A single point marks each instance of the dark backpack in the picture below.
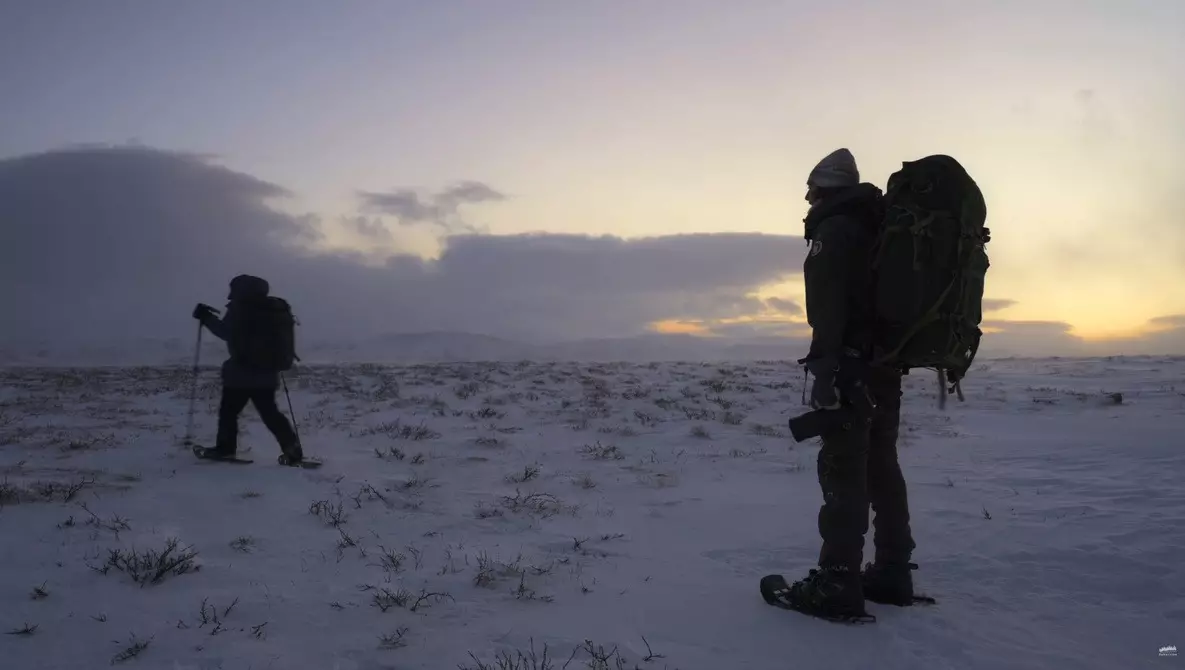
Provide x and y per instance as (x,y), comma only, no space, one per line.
(929,266)
(268,335)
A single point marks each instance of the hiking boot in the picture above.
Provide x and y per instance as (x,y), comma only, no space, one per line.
(828,593)
(293,454)
(889,583)
(222,451)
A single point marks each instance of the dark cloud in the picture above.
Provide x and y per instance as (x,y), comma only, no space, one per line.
(92,238)
(403,204)
(111,243)
(784,306)
(1164,335)
(997,304)
(440,209)
(1167,335)
(1170,321)
(1049,327)
(761,328)
(371,228)
(471,192)
(1029,338)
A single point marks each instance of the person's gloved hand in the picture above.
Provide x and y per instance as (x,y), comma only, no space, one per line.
(823,393)
(202,311)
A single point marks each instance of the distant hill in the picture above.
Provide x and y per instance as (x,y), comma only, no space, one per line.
(453,346)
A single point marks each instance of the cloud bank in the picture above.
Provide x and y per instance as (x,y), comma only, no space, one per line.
(106,245)
(113,243)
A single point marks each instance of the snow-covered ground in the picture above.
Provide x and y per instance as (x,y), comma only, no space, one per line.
(468,512)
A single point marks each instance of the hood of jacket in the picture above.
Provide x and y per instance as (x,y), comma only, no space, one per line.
(864,202)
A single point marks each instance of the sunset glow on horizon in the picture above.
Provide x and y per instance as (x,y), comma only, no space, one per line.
(643,121)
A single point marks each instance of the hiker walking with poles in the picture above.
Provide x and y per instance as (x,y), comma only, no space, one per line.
(259,333)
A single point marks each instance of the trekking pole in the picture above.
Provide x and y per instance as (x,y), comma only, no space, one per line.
(942,392)
(295,430)
(197,353)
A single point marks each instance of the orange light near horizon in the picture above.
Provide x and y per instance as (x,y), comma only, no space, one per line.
(791,327)
(1116,334)
(675,327)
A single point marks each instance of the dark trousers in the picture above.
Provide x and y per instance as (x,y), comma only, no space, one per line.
(234,400)
(858,468)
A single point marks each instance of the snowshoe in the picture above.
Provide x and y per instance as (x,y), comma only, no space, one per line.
(286,459)
(209,454)
(828,594)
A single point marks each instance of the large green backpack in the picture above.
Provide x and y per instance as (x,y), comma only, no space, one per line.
(929,268)
(267,335)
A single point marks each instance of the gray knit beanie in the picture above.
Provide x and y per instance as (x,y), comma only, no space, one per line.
(838,168)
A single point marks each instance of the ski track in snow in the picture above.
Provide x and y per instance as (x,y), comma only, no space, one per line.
(664,492)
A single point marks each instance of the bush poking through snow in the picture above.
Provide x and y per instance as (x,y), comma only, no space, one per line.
(135,648)
(538,504)
(528,473)
(153,566)
(333,515)
(208,615)
(398,430)
(585,481)
(715,385)
(115,524)
(483,511)
(41,491)
(39,592)
(390,560)
(763,430)
(426,597)
(600,452)
(9,494)
(466,390)
(484,577)
(645,418)
(524,592)
(394,640)
(598,659)
(504,660)
(385,599)
(732,418)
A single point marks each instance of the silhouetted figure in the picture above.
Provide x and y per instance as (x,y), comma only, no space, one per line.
(857,464)
(257,329)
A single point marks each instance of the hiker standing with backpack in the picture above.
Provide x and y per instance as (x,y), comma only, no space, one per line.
(257,329)
(859,463)
(894,282)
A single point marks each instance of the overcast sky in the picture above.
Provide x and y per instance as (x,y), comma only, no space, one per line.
(557,170)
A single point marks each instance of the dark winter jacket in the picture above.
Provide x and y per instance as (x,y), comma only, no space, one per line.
(841,229)
(244,290)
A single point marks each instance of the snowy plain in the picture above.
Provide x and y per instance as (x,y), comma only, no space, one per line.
(617,515)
